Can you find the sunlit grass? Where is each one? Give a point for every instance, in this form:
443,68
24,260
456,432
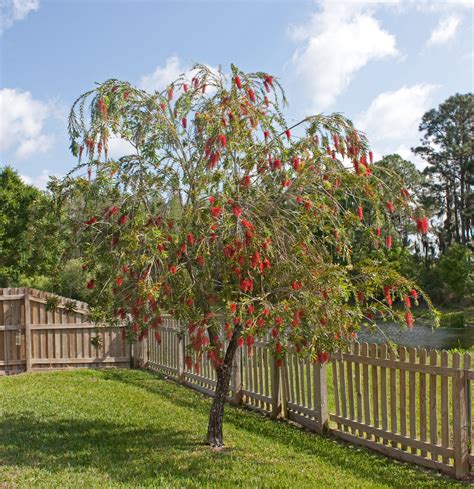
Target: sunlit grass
128,428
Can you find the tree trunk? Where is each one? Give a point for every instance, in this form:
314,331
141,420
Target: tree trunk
216,416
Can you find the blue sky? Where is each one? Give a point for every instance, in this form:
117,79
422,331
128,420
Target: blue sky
383,64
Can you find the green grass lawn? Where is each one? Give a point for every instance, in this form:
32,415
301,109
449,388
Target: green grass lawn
129,428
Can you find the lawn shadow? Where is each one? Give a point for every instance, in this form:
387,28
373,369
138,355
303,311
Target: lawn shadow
324,447
127,454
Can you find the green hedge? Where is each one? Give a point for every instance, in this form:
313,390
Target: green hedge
453,320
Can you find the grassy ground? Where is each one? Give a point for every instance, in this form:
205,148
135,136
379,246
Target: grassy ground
126,428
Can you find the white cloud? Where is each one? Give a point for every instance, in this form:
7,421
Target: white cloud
22,121
337,42
119,147
14,10
162,76
40,180
392,119
444,31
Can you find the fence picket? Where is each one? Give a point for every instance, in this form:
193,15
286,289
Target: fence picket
375,388
365,386
383,391
433,405
412,396
402,353
422,387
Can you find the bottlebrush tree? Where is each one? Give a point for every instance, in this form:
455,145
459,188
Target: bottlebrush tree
231,221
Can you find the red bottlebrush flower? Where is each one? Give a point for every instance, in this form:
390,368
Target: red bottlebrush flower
162,105
125,269
414,294
119,281
390,207
246,285
371,157
122,220
251,94
250,341
237,210
197,368
246,181
238,82
267,102
296,285
288,134
135,327
200,260
246,224
223,140
360,213
229,251
279,320
189,362
379,232
251,309
91,284
158,337
92,220
278,347
336,141
286,183
405,193
233,308
360,296
275,332
203,88
185,88
160,248
388,241
279,363
240,342
296,163
409,319
255,259
388,295
184,122
424,225
216,211
407,301
211,200
190,302
173,269
170,93
269,80
266,134
277,164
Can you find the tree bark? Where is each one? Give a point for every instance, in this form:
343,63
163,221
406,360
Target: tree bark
215,436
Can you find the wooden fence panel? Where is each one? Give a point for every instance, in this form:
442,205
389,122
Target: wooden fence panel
34,335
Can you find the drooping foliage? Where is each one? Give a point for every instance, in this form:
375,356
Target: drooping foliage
231,220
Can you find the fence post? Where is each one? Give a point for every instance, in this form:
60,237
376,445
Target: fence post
145,351
27,331
181,350
321,397
237,377
284,388
461,448
275,386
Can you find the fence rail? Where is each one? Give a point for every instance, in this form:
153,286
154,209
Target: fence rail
411,405
34,336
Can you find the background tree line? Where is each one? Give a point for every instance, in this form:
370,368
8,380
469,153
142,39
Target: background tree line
37,240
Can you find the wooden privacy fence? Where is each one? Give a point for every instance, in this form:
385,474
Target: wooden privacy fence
40,330
414,406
